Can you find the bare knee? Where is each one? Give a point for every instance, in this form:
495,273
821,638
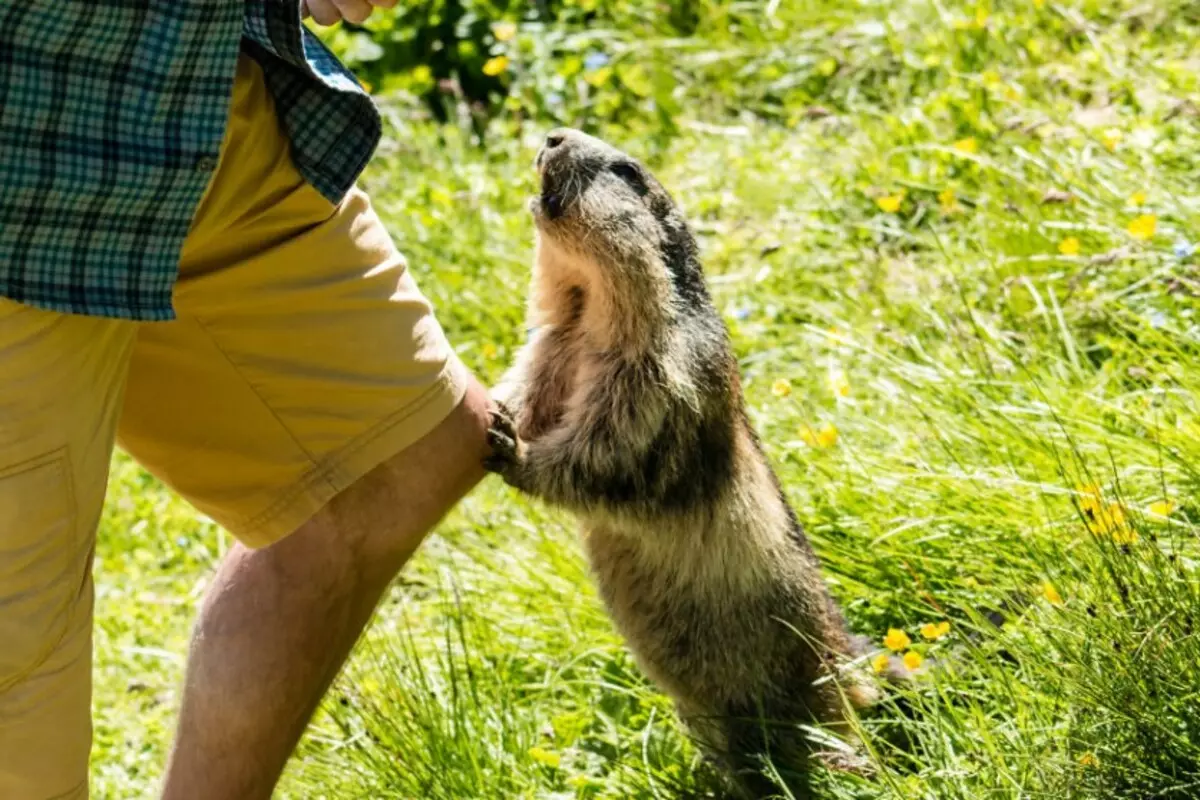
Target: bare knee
380,520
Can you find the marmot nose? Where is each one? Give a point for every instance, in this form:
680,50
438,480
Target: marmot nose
554,143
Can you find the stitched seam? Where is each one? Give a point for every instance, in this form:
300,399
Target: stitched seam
324,472
45,459
57,460
250,384
72,792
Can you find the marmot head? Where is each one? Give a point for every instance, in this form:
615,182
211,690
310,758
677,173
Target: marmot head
606,223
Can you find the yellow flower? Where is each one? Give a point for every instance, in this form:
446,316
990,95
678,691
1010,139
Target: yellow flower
948,201
967,145
1111,519
825,438
1102,518
1124,534
488,350
543,756
879,663
896,640
827,67
1111,138
1106,519
781,388
495,66
503,31
990,77
1069,246
1137,199
891,203
1051,594
935,630
1143,226
1090,502
912,659
1089,760
981,17
1162,508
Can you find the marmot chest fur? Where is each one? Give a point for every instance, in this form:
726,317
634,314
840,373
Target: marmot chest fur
625,407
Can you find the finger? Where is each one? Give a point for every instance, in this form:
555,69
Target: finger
500,442
384,3
504,424
324,12
355,11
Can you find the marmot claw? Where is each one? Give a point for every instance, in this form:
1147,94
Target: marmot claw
503,441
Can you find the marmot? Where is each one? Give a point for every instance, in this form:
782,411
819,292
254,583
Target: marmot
625,407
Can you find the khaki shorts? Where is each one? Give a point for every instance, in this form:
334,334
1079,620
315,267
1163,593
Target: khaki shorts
303,355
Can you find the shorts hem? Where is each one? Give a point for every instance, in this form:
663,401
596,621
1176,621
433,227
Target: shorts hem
344,468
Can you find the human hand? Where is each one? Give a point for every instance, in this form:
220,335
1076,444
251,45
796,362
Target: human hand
328,12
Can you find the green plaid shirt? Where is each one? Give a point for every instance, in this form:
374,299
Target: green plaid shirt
112,114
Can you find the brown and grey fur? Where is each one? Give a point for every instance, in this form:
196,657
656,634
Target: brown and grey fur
625,407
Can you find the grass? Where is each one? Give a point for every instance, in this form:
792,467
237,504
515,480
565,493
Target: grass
899,271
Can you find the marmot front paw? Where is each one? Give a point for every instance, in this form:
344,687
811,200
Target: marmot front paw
506,447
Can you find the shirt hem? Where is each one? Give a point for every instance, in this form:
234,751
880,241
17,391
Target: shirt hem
155,314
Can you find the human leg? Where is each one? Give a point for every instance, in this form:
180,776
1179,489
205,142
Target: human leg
308,401
278,622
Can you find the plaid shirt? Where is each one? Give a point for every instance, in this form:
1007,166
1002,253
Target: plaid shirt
112,114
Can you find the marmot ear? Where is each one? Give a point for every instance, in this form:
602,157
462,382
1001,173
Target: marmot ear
632,176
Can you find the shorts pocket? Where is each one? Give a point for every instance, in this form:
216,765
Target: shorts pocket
42,568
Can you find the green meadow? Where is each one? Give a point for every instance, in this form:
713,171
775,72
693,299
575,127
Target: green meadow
954,245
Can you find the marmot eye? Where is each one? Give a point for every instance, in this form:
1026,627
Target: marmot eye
630,174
